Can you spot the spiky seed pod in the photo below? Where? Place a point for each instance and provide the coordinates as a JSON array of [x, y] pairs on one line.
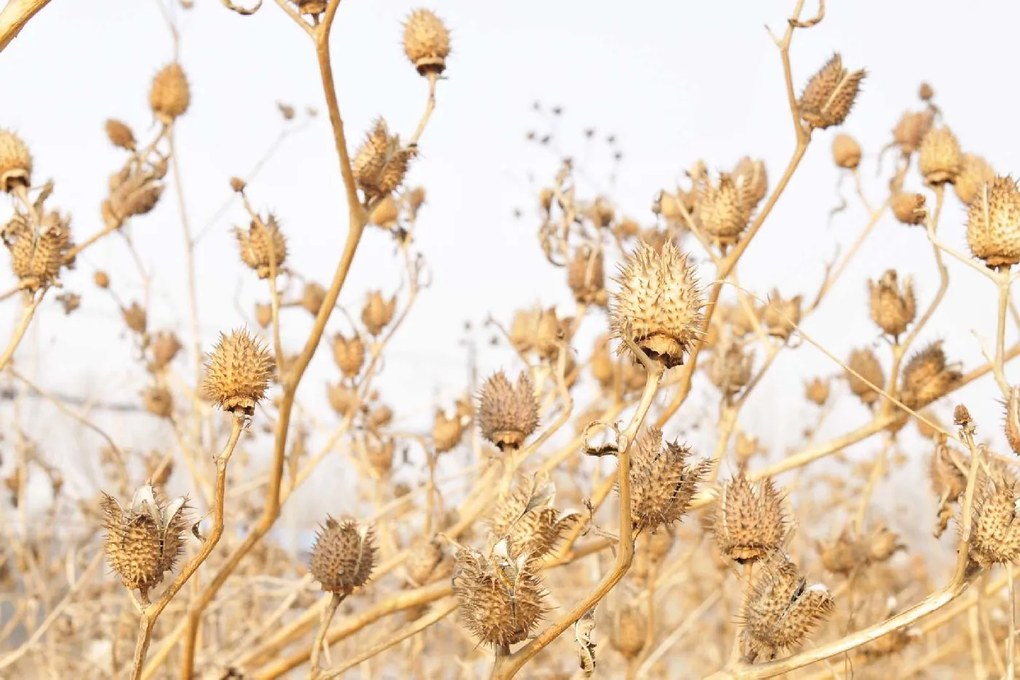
[[144, 540], [500, 597], [975, 172], [1012, 420], [722, 209], [263, 314], [101, 279], [658, 306], [343, 555], [158, 401], [782, 610], [749, 521], [380, 163], [928, 376], [385, 214], [422, 562], [135, 318], [779, 315], [312, 297], [15, 162], [662, 480], [993, 223], [753, 178], [940, 157], [585, 276], [37, 256], [995, 533], [863, 362], [507, 413], [525, 519], [909, 208], [170, 94], [120, 134], [447, 431], [892, 307], [263, 247], [164, 346], [947, 478], [830, 94], [911, 129], [342, 399], [392, 175], [846, 152], [426, 42], [731, 366], [627, 634], [133, 191], [237, 372], [377, 312], [349, 354], [817, 391]]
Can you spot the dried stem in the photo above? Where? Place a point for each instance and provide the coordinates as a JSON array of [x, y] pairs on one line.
[[320, 637]]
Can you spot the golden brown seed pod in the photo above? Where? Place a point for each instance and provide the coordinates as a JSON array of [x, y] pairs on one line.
[[881, 544], [749, 521], [342, 399], [385, 213], [1012, 420], [238, 185], [164, 346], [830, 94], [780, 316], [263, 247], [940, 157], [752, 177], [892, 307], [422, 562], [15, 162], [426, 42], [841, 555], [377, 312], [237, 372], [170, 94], [585, 276], [380, 163], [528, 523], [343, 555], [948, 478], [135, 318], [662, 480], [658, 306], [925, 92], [380, 455], [507, 413], [37, 255], [120, 134], [864, 369], [731, 366], [158, 401], [310, 7], [627, 634], [349, 354], [601, 364], [447, 431], [601, 212], [911, 130], [975, 172], [993, 223], [263, 314], [133, 191], [312, 297], [846, 152], [909, 208], [380, 416], [995, 533], [144, 540], [101, 279], [816, 391], [928, 376], [723, 209]]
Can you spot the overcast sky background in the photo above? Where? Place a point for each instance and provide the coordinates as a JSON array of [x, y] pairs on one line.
[[673, 81]]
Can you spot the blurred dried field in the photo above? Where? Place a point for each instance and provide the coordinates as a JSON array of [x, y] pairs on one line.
[[674, 463]]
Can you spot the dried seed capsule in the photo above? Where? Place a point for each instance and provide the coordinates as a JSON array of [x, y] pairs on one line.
[[928, 376], [170, 94], [830, 94], [380, 163], [975, 172], [380, 455], [385, 213], [662, 480], [120, 134], [380, 416], [892, 307], [263, 314], [846, 152], [15, 162], [311, 7], [135, 318], [601, 364], [749, 521], [423, 561], [237, 372], [349, 354], [627, 635], [37, 256], [312, 297], [722, 210], [817, 391], [158, 401], [238, 185], [865, 364], [447, 431], [133, 191], [527, 522], [925, 92], [101, 279], [909, 208], [993, 223], [343, 555], [911, 130], [585, 276], [263, 247], [780, 316], [342, 399], [731, 366], [940, 160], [753, 179], [995, 533], [507, 413], [164, 346], [426, 42], [377, 312]]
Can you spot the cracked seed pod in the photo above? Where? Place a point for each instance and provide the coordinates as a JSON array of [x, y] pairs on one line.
[[892, 307], [526, 520], [426, 42], [846, 152], [135, 318], [940, 158], [377, 312], [749, 521], [909, 208], [817, 391], [730, 368], [507, 413], [158, 401], [975, 172], [312, 297], [722, 209], [662, 481], [830, 94], [782, 610], [15, 162], [1012, 420], [170, 94], [658, 306], [866, 364], [349, 354], [585, 276], [263, 247], [343, 555], [447, 431], [144, 540], [911, 130], [779, 315], [927, 376], [423, 561], [263, 314], [164, 346], [993, 223], [995, 536], [753, 178], [627, 634], [237, 372], [380, 163], [119, 134], [342, 399], [500, 597], [133, 191], [37, 256]]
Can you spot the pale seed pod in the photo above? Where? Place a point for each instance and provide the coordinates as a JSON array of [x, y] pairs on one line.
[[313, 295], [135, 318], [925, 92], [237, 372], [342, 399], [263, 247], [585, 276], [846, 152], [749, 521], [507, 413], [912, 129], [892, 307], [866, 364], [311, 7], [101, 279], [731, 366], [601, 364], [133, 191], [263, 314], [170, 94], [658, 306], [158, 401], [527, 522], [1012, 426], [37, 256], [349, 354], [780, 316], [995, 532], [238, 185], [380, 455], [816, 391], [385, 213], [627, 634], [423, 561], [909, 208], [343, 555], [722, 210], [377, 312], [940, 157], [15, 162], [662, 480], [380, 163], [447, 431], [426, 42], [165, 347], [993, 223], [753, 179], [928, 376], [975, 172], [119, 134], [830, 94]]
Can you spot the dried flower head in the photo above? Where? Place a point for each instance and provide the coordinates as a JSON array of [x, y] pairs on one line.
[[349, 354], [940, 159], [909, 208], [526, 519], [780, 316], [830, 94], [663, 480], [995, 533], [892, 307], [237, 372], [426, 42], [928, 376], [380, 163], [658, 306], [377, 312], [911, 129], [846, 152], [120, 134], [263, 247], [723, 209], [865, 375], [37, 254], [170, 94], [585, 276], [507, 413], [343, 555], [816, 391], [749, 521], [15, 162], [993, 223], [975, 172], [627, 634]]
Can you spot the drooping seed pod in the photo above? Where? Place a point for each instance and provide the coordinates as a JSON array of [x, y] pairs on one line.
[[377, 312], [37, 256], [312, 297], [447, 431], [342, 399], [663, 480], [940, 157], [15, 162], [500, 597], [426, 42], [237, 372], [526, 520], [753, 179], [343, 555], [780, 316], [164, 346], [120, 134], [928, 376], [722, 209], [846, 152], [133, 191], [263, 247], [749, 521], [627, 634], [731, 365], [585, 276], [158, 401], [507, 413], [135, 318], [993, 223], [349, 354], [658, 306], [892, 307], [830, 94], [170, 94], [995, 532], [816, 391], [865, 375], [1012, 420], [975, 172], [144, 540], [911, 129], [909, 208]]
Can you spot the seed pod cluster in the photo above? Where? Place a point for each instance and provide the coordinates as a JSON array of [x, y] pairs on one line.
[[749, 520], [263, 247], [237, 372], [343, 555], [663, 480], [507, 412], [830, 94]]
